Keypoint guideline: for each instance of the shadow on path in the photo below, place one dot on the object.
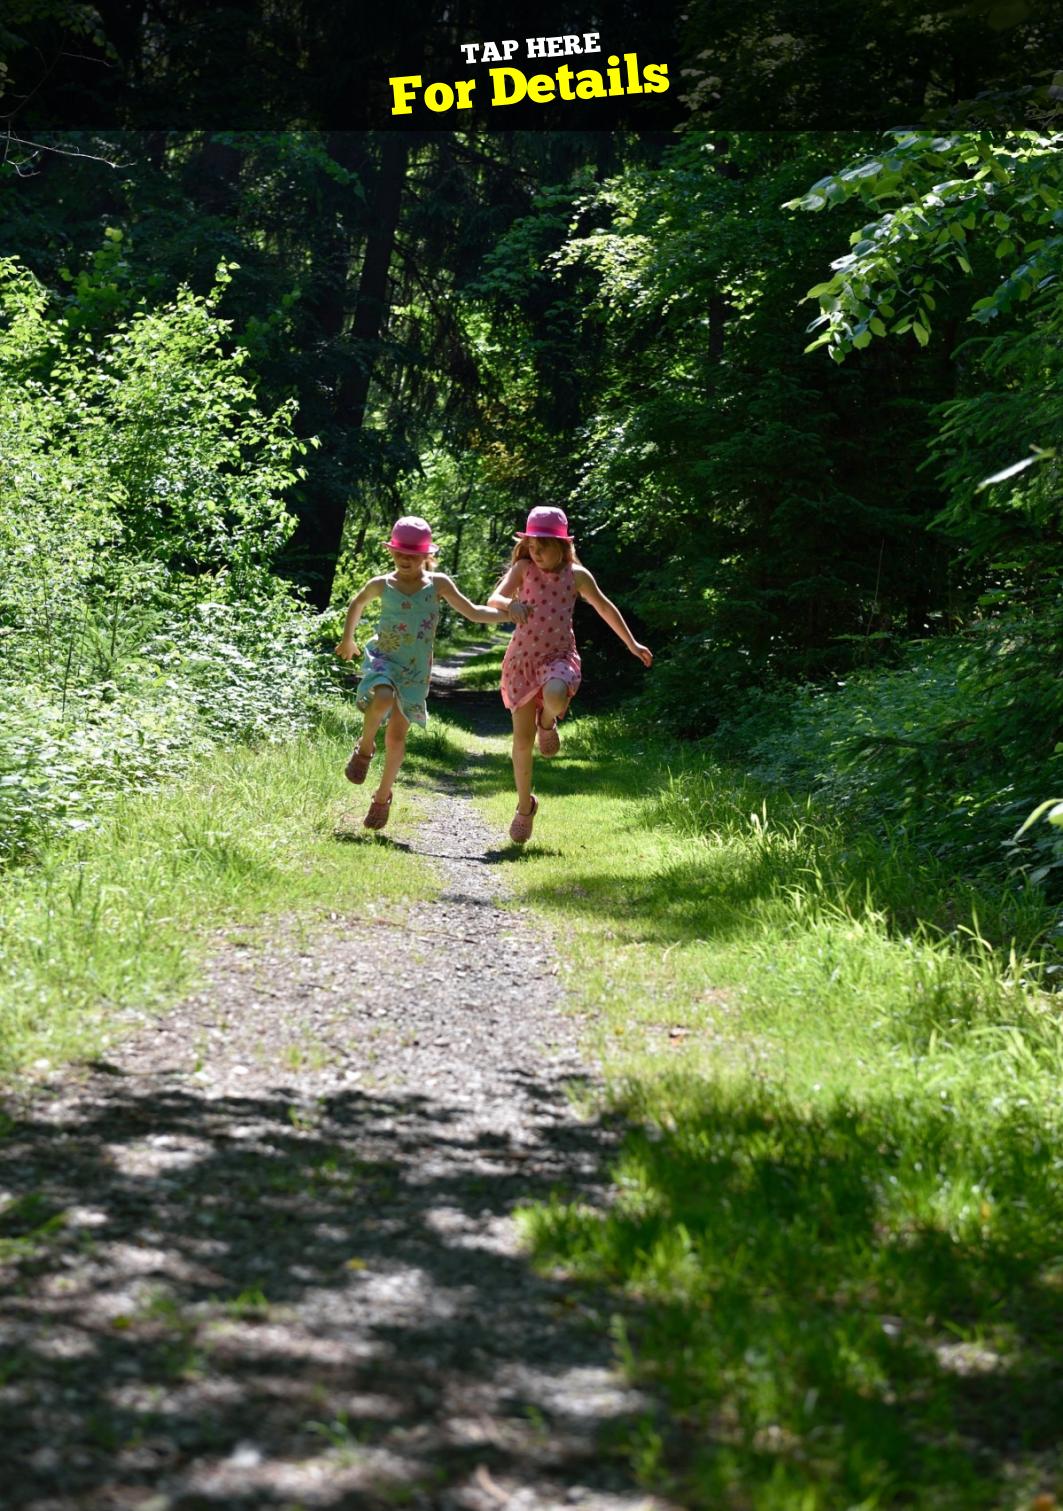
(263, 1300)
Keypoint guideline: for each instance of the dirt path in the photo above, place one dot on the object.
(285, 1273)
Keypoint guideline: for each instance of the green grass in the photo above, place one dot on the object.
(483, 673)
(122, 917)
(461, 634)
(837, 1231)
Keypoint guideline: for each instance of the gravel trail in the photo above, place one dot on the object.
(278, 1266)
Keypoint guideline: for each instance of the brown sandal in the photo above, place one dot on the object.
(377, 816)
(521, 827)
(357, 767)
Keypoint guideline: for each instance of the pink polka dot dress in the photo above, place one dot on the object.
(544, 646)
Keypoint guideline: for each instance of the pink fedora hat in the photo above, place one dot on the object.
(546, 523)
(411, 534)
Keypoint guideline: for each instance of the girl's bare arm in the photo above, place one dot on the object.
(591, 593)
(348, 646)
(502, 597)
(479, 613)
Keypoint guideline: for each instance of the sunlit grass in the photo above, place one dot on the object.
(122, 917)
(484, 672)
(835, 1240)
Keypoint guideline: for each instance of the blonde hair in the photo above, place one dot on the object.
(522, 551)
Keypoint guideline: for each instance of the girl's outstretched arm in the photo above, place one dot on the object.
(591, 593)
(504, 595)
(479, 613)
(347, 646)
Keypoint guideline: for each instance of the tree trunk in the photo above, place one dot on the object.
(320, 535)
(372, 306)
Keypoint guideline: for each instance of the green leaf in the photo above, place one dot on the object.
(921, 334)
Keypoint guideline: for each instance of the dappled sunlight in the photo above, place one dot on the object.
(819, 1322)
(247, 1290)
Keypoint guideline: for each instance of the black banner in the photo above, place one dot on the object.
(614, 64)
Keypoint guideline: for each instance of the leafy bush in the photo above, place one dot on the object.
(140, 509)
(953, 747)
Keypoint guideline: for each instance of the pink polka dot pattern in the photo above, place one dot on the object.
(544, 646)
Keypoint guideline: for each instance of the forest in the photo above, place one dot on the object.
(231, 359)
(799, 394)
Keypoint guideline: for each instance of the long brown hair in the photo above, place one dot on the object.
(522, 552)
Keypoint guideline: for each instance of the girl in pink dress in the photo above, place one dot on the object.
(541, 668)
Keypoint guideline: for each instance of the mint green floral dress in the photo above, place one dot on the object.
(400, 653)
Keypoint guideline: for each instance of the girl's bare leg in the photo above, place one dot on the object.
(523, 741)
(556, 699)
(394, 751)
(383, 699)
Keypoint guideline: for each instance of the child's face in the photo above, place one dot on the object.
(546, 554)
(409, 563)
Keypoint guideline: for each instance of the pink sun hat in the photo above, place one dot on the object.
(546, 523)
(411, 534)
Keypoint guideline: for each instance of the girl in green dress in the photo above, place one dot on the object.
(397, 661)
